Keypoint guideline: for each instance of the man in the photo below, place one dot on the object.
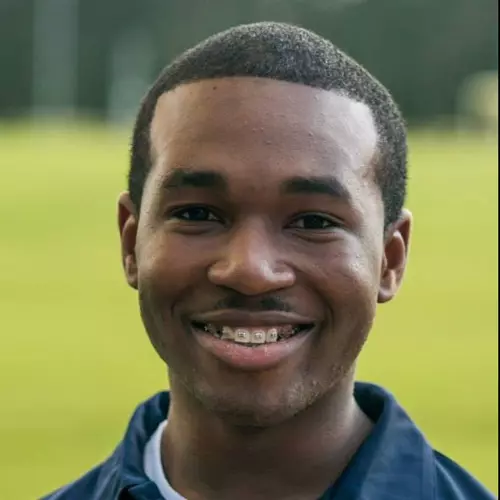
(263, 224)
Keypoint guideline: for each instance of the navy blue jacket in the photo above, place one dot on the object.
(394, 463)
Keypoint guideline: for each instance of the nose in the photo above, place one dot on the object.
(250, 265)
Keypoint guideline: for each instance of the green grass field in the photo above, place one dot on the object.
(74, 360)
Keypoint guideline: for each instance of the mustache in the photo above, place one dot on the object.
(261, 304)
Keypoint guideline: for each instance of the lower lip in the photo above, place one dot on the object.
(262, 357)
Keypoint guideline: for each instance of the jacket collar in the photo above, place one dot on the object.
(395, 457)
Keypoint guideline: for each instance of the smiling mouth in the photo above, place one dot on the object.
(253, 336)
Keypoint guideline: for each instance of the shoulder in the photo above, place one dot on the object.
(123, 470)
(455, 483)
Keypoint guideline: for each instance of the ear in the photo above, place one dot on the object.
(127, 224)
(395, 258)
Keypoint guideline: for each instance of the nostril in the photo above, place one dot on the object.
(251, 268)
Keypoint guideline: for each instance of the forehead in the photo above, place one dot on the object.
(269, 127)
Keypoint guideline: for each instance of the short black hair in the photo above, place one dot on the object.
(293, 54)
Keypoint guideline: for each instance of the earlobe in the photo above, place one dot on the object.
(395, 257)
(127, 225)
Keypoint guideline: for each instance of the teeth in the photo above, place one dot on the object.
(242, 336)
(227, 333)
(258, 337)
(246, 335)
(211, 329)
(272, 335)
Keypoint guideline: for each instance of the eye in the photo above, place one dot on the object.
(195, 214)
(313, 222)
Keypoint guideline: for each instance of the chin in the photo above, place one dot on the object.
(246, 408)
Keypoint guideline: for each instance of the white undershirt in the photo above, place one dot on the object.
(154, 468)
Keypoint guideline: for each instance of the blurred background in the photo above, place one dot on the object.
(74, 359)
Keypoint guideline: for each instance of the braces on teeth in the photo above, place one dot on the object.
(252, 336)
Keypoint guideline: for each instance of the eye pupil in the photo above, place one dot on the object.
(315, 222)
(197, 213)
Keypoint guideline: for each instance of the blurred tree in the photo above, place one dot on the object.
(423, 50)
(15, 56)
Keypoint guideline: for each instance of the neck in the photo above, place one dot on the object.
(205, 457)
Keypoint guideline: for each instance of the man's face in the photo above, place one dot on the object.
(260, 218)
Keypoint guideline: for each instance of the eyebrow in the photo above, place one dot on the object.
(330, 186)
(180, 178)
(187, 178)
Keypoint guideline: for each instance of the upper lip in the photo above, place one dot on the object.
(235, 318)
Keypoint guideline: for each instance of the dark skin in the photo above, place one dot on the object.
(249, 233)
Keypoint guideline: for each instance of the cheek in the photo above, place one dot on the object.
(349, 286)
(347, 277)
(167, 272)
(167, 266)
